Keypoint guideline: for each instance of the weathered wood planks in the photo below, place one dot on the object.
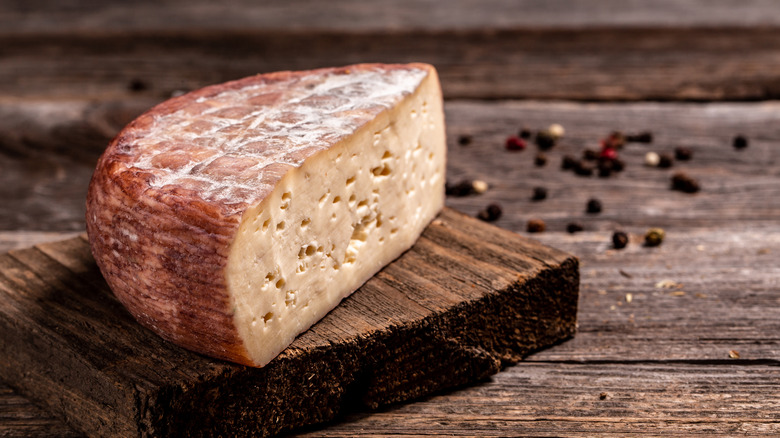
(65, 139)
(466, 300)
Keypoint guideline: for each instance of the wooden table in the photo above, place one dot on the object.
(676, 340)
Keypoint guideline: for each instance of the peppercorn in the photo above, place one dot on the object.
(683, 153)
(619, 239)
(137, 85)
(574, 227)
(545, 140)
(654, 236)
(464, 140)
(514, 143)
(540, 159)
(593, 206)
(652, 159)
(642, 137)
(605, 168)
(740, 142)
(684, 183)
(556, 130)
(491, 213)
(568, 162)
(618, 165)
(582, 168)
(462, 188)
(536, 226)
(665, 161)
(608, 153)
(590, 154)
(616, 140)
(540, 193)
(525, 133)
(479, 186)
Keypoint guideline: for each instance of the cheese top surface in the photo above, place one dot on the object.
(232, 145)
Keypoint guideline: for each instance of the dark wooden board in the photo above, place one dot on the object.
(466, 300)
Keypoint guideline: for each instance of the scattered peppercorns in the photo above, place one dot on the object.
(464, 140)
(642, 137)
(618, 165)
(525, 133)
(740, 142)
(665, 161)
(544, 140)
(539, 194)
(593, 206)
(654, 236)
(536, 226)
(515, 143)
(619, 239)
(491, 213)
(540, 160)
(608, 154)
(683, 153)
(603, 396)
(568, 162)
(684, 183)
(137, 85)
(574, 227)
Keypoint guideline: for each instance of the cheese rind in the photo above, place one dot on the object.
(232, 219)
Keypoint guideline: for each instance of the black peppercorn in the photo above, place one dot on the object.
(642, 137)
(137, 85)
(536, 226)
(582, 168)
(593, 206)
(618, 165)
(574, 227)
(540, 193)
(619, 239)
(684, 183)
(545, 140)
(462, 188)
(491, 213)
(683, 153)
(525, 133)
(540, 160)
(665, 161)
(740, 142)
(590, 154)
(464, 140)
(605, 168)
(568, 162)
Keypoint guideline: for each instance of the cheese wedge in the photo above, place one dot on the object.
(231, 219)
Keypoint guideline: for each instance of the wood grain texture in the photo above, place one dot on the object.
(465, 301)
(737, 185)
(606, 64)
(37, 16)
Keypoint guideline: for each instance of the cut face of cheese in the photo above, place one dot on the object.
(234, 218)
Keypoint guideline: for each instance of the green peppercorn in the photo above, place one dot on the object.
(654, 236)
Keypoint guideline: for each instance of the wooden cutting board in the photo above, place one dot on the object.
(466, 300)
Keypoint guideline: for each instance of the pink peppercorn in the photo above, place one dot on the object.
(608, 154)
(515, 143)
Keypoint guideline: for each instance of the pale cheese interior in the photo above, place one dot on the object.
(336, 220)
